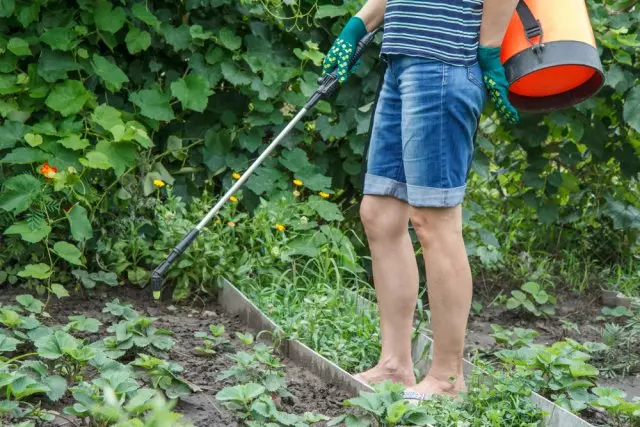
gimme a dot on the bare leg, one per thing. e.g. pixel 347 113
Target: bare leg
pixel 450 292
pixel 395 274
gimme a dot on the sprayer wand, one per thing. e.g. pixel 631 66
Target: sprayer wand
pixel 327 86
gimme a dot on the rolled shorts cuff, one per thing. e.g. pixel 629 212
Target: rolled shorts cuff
pixel 429 197
pixel 414 195
pixel 382 186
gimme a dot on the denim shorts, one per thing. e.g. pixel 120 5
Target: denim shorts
pixel 423 130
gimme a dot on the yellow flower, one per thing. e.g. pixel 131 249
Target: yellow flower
pixel 218 221
pixel 297 183
pixel 296 193
pixel 280 227
pixel 323 195
pixel 235 175
pixel 158 183
pixel 233 199
pixel 231 224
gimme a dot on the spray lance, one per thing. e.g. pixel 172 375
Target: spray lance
pixel 327 85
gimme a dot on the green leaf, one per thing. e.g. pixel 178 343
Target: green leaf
pixel 295 160
pixel 329 211
pixel 228 39
pixel 242 393
pixel 582 369
pixel 370 402
pixel 74 142
pixel 531 287
pixel 57 386
pixel 105 277
pixel 108 19
pixel 68 97
pixel 107 116
pixel 84 324
pixel 80 226
pixel 624 215
pixel 55 346
pixel 18 193
pixel 6 8
pixel 153 104
pixel 10 132
pixel 68 252
pixel 121 155
pixel 53 66
pixel 60 38
pixel 8 344
pixel 193 92
pixel 33 140
pixel 37 271
pixel 96 160
pixel 109 72
pixel 30 303
pixel 59 290
pixel 137 40
pixel 32 233
pixel 548 213
pixel 234 75
pixel 631 110
pixel 25 156
pixel 28 13
pixel 331 11
pixel 141 12
pixel 179 37
pixel 9 84
pixel 19 47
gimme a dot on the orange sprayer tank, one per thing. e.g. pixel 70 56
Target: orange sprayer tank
pixel 550 56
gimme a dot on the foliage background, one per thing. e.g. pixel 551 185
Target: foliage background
pixel 117 94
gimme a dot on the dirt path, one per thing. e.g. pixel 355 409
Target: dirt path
pixel 310 392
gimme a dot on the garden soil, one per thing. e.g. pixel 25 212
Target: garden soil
pixel 201 408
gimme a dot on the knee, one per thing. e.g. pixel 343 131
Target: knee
pixel 380 223
pixel 436 224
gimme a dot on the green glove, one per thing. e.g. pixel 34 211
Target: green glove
pixel 343 49
pixel 496 82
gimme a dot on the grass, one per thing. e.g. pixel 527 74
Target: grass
pixel 314 303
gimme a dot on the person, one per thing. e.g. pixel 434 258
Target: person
pixel 442 61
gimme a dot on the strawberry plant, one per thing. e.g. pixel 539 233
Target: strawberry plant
pixel 163 374
pixel 532 299
pixel 214 343
pixel 513 338
pixel 136 334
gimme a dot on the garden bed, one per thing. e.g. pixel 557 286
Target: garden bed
pixel 309 393
pixel 577 318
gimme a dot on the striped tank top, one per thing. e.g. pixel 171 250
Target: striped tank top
pixel 447 30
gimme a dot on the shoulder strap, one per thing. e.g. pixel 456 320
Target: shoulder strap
pixel 532 27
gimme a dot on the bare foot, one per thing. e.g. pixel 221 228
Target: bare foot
pixel 430 386
pixel 381 373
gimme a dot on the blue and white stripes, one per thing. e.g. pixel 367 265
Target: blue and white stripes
pixel 448 30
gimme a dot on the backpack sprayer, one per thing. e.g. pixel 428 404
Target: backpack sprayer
pixel 327 86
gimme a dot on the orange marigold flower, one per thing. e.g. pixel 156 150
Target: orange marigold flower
pixel 48 170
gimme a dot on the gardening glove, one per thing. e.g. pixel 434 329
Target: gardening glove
pixel 343 49
pixel 496 82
